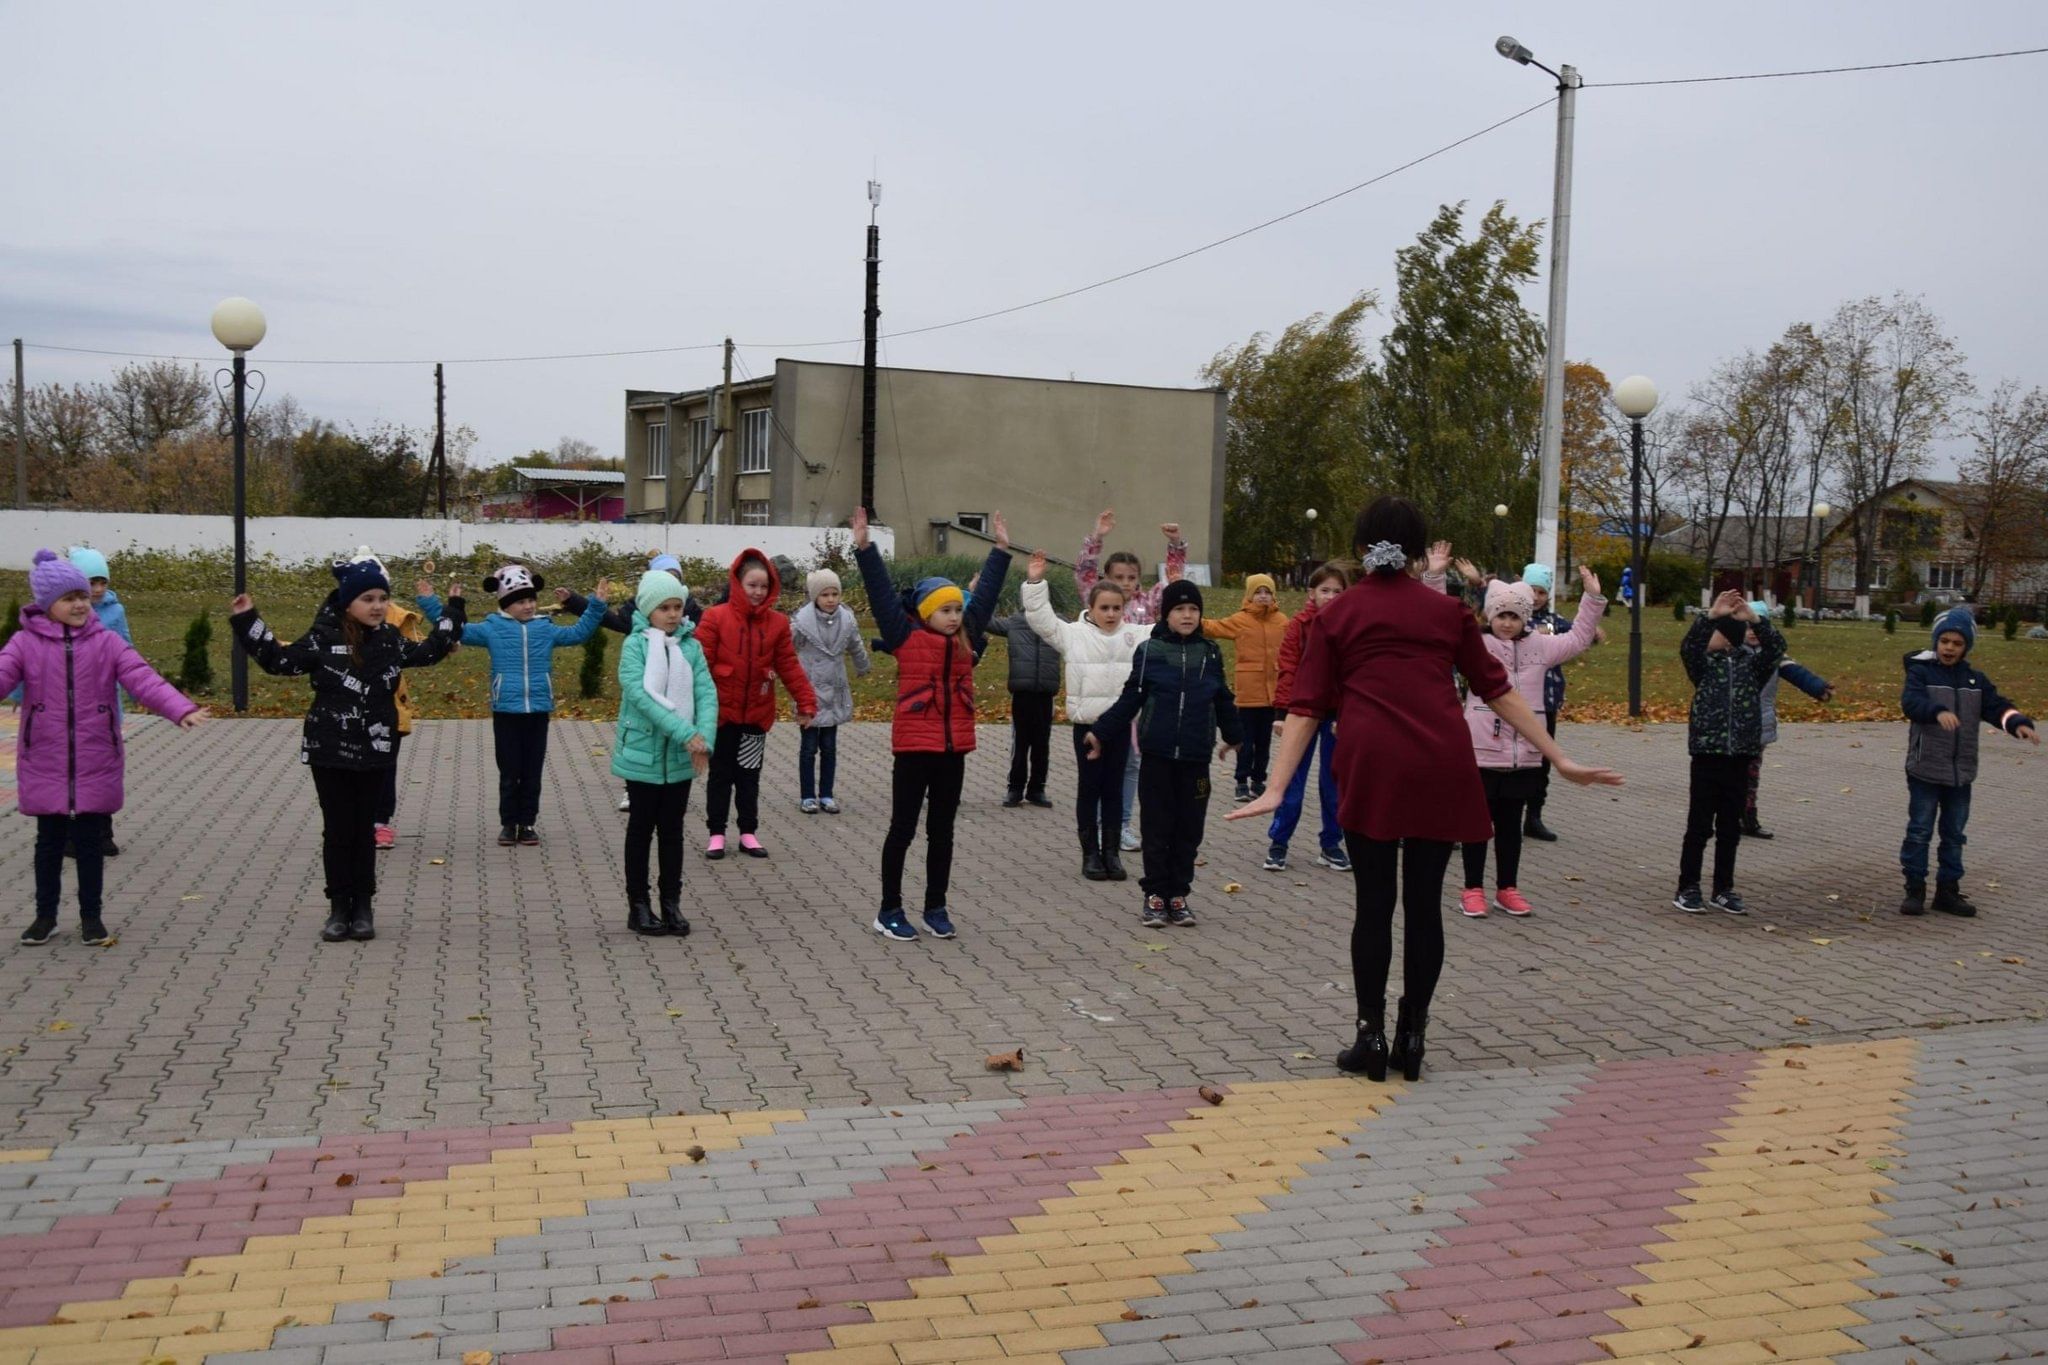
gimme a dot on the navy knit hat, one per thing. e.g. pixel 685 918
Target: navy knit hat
pixel 357 577
pixel 1961 622
pixel 1180 593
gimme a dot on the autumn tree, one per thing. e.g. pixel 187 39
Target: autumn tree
pixel 1593 474
pixel 351 474
pixel 145 403
pixel 2004 492
pixel 1293 434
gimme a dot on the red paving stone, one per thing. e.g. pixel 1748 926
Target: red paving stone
pixel 1531 1268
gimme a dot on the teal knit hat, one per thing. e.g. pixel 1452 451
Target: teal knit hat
pixel 656 587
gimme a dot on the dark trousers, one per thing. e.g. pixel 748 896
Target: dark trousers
pixel 1412 872
pixel 736 758
pixel 1929 805
pixel 1030 741
pixel 918 779
pixel 348 834
pixel 1507 828
pixel 1719 783
pixel 54 833
pixel 1099 804
pixel 522 743
pixel 1756 780
pixel 1257 748
pixel 387 800
pixel 1173 809
pixel 817 761
pixel 655 817
pixel 1535 802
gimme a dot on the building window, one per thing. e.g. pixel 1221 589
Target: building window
pixel 973 521
pixel 700 447
pixel 657 450
pixel 754 513
pixel 754 442
pixel 1880 575
pixel 1945 577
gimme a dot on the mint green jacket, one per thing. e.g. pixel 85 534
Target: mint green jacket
pixel 653 741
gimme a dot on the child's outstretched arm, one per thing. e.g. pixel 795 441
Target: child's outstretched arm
pixel 587 625
pixel 1556 649
pixel 1036 596
pixel 150 688
pixel 619 618
pixel 791 670
pixel 2003 714
pixel 255 638
pixel 874 576
pixel 1806 680
pixel 440 640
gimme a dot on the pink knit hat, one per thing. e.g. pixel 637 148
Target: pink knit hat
pixel 1514 597
pixel 51 576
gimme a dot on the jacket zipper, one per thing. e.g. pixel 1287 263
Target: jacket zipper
pixel 1180 703
pixel 70 728
pixel 525 666
pixel 944 682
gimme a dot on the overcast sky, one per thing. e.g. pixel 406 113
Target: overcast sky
pixel 406 181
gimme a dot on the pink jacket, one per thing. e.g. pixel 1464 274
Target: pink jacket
pixel 1497 744
pixel 69 761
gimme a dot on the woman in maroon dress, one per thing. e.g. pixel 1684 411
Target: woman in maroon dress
pixel 1380 657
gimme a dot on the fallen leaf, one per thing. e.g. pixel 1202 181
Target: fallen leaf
pixel 60 1026
pixel 807 1303
pixel 1697 1338
pixel 1823 942
pixel 1131 1315
pixel 1833 897
pixel 437 862
pixel 1249 1303
pixel 380 1317
pixel 478 1018
pixel 1005 1061
pixel 1503 1345
pixel 1801 1020
pixel 477 1358
pixel 694 1152
pixel 2014 961
pixel 675 1014
pixel 1211 1094
pixel 344 1180
pixel 1305 1056
pixel 1795 1064
pixel 1231 888
pixel 189 898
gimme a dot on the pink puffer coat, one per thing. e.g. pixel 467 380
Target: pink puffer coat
pixel 1496 743
pixel 68 759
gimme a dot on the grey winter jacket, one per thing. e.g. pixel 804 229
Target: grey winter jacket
pixel 823 644
pixel 1034 664
pixel 1949 757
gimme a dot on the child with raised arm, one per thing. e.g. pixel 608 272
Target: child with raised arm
pixel 1258 626
pixel 933 731
pixel 747 643
pixel 1098 650
pixel 354 659
pixel 1180 700
pixel 69 756
pixel 1801 677
pixel 827 636
pixel 1724 734
pixel 668 713
pixel 1035 675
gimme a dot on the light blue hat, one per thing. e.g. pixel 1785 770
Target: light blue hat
pixel 666 563
pixel 91 563
pixel 1537 576
pixel 1762 610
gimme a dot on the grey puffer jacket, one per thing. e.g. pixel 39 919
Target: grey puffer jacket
pixel 1034 665
pixel 823 644
pixel 1949 757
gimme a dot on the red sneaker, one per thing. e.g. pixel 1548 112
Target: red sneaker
pixel 387 837
pixel 1472 900
pixel 1512 901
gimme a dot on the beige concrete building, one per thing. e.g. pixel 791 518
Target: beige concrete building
pixel 950 450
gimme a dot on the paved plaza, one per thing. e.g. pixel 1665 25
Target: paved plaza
pixel 511 1127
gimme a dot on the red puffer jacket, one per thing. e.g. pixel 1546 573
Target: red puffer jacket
pixel 748 648
pixel 934 695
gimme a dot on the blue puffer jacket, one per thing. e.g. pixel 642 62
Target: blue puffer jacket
pixel 1179 693
pixel 523 653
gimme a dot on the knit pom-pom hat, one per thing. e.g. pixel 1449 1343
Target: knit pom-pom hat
pixel 357 577
pixel 514 581
pixel 820 580
pixel 656 587
pixel 51 576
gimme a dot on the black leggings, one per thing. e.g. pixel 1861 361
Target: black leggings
pixel 1099 803
pixel 387 800
pixel 348 834
pixel 655 816
pixel 1377 866
pixel 1720 783
pixel 1506 799
pixel 521 741
pixel 916 779
pixel 1030 741
pixel 1258 743
pixel 84 832
pixel 736 758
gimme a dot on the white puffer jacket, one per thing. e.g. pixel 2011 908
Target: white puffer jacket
pixel 1098 663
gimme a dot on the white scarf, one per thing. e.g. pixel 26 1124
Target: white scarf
pixel 667 676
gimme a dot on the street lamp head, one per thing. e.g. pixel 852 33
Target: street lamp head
pixel 1500 509
pixel 1821 510
pixel 1512 50
pixel 238 324
pixel 1310 514
pixel 1636 396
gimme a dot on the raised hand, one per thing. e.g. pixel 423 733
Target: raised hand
pixel 858 524
pixel 1034 572
pixel 1439 557
pixel 561 594
pixel 1105 522
pixel 422 587
pixel 604 590
pixel 1260 806
pixel 1589 580
pixel 1171 530
pixel 1467 570
pixel 1726 603
pixel 243 602
pixel 1002 531
pixel 454 591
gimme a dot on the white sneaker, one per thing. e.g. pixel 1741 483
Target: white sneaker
pixel 809 805
pixel 1130 843
pixel 625 800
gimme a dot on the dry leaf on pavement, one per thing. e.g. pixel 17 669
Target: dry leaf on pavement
pixel 1211 1094
pixel 1005 1061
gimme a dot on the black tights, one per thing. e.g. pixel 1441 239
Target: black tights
pixel 1507 845
pixel 1418 866
pixel 655 816
pixel 84 832
pixel 929 782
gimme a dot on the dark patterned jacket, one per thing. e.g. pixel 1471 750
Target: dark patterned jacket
pixel 1727 698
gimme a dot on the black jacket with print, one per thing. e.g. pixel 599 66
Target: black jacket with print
pixel 353 720
pixel 1727 699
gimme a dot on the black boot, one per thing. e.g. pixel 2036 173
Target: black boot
pixel 1013 799
pixel 1407 1050
pixel 640 916
pixel 1533 826
pixel 362 921
pixel 1367 1054
pixel 340 909
pixel 1950 900
pixel 1113 864
pixel 1753 828
pixel 1091 857
pixel 672 922
pixel 1915 900
pixel 1036 797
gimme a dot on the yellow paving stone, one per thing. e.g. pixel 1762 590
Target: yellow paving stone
pixel 850 1355
pixel 883 1333
pixel 941 1286
pixel 1050 1340
pixel 1020 1300
pixel 1073 1277
pixel 953 1348
pixel 1746 1282
pixel 1668 1291
pixel 149 1329
pixel 1076 1315
pixel 24 1154
pixel 1742 1305
pixel 1821 1294
pixel 894 1310
pixel 1654 1315
pixel 976 1324
pixel 1647 1342
pixel 1731 1353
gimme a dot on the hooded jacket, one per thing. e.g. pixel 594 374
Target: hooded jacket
pixel 652 743
pixel 353 720
pixel 823 645
pixel 1259 632
pixel 413 625
pixel 1727 700
pixel 1097 663
pixel 523 652
pixel 1034 664
pixel 1801 677
pixel 1949 757
pixel 749 647
pixel 69 753
pixel 934 672
pixel 1528 659
pixel 1178 694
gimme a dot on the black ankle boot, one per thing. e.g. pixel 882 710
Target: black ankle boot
pixel 640 916
pixel 362 921
pixel 1533 826
pixel 1950 900
pixel 340 909
pixel 1406 1055
pixel 1753 828
pixel 1113 865
pixel 1013 799
pixel 1091 858
pixel 1914 902
pixel 1367 1054
pixel 672 921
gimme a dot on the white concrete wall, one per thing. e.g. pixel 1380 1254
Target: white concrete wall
pixel 301 540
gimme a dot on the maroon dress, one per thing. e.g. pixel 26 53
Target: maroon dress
pixel 1380 658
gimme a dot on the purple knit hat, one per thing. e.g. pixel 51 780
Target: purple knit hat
pixel 51 576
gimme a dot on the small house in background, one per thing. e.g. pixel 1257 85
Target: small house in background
pixel 559 495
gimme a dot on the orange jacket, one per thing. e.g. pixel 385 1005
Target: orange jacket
pixel 1258 631
pixel 748 648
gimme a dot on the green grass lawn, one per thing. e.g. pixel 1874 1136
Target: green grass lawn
pixel 1859 658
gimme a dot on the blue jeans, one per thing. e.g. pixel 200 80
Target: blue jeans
pixel 819 746
pixel 1131 780
pixel 1925 803
pixel 1289 814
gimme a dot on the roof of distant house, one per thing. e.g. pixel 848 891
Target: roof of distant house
pixel 532 475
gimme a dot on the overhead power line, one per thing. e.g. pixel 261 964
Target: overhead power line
pixel 1821 70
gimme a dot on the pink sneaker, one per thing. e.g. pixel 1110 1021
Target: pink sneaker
pixel 751 846
pixel 1511 900
pixel 715 849
pixel 387 837
pixel 1472 900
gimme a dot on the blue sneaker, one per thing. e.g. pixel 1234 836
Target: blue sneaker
pixel 894 924
pixel 1336 859
pixel 938 923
